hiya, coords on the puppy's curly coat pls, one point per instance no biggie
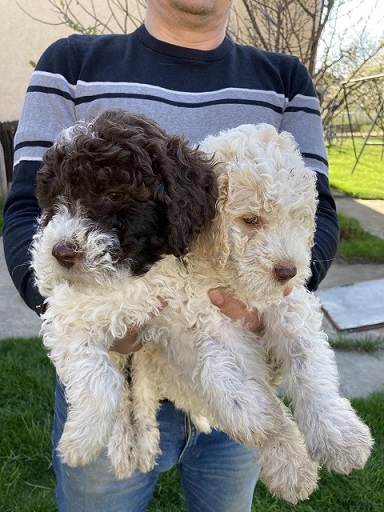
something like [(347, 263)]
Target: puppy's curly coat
[(258, 246), (117, 195), (149, 192)]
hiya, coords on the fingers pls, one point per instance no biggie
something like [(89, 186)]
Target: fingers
[(236, 310), (129, 343), (287, 290), (163, 302)]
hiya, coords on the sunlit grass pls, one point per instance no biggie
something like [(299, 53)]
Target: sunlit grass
[(367, 180), (357, 245)]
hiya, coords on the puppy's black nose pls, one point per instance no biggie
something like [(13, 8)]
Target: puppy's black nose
[(66, 253), (284, 272)]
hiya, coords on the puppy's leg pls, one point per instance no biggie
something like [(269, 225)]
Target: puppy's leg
[(92, 387), (334, 434), (145, 404), (201, 423), (287, 469), (134, 444), (122, 446), (92, 384), (78, 330), (234, 384)]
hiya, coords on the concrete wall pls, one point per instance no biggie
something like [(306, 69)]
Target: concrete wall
[(23, 39)]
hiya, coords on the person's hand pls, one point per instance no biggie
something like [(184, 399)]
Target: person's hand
[(129, 343), (236, 310)]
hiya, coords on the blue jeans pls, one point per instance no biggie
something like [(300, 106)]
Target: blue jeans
[(217, 474)]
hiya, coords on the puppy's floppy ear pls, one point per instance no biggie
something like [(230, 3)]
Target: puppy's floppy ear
[(192, 190), (213, 243), (49, 183)]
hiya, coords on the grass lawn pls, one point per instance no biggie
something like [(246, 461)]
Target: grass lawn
[(368, 344), (367, 180), (26, 402), (26, 478), (356, 245)]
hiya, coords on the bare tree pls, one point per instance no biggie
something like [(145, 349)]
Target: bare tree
[(86, 17), (310, 29), (345, 93), (287, 26)]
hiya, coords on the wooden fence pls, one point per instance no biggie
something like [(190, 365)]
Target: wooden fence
[(7, 134)]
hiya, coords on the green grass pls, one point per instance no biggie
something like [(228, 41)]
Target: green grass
[(368, 343), (367, 180), (26, 478), (357, 245), (26, 402)]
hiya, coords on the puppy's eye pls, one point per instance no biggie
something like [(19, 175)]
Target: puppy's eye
[(254, 219), (115, 196)]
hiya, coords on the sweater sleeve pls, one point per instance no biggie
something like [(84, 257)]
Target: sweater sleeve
[(20, 214), (302, 118), (326, 235), (47, 109)]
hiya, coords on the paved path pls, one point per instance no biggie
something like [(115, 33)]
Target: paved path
[(369, 212), (16, 319), (360, 373)]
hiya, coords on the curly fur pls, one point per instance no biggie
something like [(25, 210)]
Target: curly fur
[(123, 178), (118, 195), (258, 246)]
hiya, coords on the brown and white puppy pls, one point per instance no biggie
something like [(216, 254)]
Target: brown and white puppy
[(121, 201)]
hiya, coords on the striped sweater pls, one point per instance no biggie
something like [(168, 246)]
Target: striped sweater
[(186, 91)]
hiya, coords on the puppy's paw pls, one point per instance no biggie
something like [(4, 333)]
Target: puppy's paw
[(343, 447), (74, 452), (123, 462), (148, 441), (147, 461), (287, 470), (81, 443), (201, 423)]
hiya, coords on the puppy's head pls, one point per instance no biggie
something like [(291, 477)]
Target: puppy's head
[(262, 235), (119, 192)]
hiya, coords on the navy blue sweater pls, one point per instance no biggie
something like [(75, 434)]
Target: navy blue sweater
[(186, 91)]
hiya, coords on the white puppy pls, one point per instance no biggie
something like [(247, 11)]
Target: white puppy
[(259, 248)]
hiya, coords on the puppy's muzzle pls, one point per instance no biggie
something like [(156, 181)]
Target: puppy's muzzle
[(66, 252)]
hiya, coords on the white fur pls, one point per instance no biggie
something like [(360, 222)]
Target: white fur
[(214, 369)]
